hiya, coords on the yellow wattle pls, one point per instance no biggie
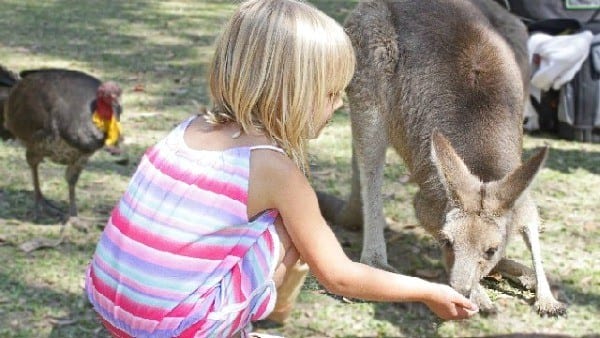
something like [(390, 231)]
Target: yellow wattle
[(111, 127)]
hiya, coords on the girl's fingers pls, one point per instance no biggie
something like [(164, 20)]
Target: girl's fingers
[(471, 313), (465, 303), (466, 311), (463, 313)]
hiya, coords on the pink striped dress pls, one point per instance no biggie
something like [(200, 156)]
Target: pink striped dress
[(179, 256)]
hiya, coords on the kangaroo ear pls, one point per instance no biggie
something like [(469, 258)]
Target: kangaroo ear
[(462, 187), (507, 190)]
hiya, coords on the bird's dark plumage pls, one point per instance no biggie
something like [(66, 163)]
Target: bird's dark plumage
[(7, 80)]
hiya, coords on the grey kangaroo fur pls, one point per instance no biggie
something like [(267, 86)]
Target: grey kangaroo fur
[(444, 84)]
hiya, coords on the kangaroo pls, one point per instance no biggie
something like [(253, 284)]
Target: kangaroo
[(444, 83)]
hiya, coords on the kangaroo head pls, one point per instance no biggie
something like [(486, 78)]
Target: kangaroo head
[(478, 215)]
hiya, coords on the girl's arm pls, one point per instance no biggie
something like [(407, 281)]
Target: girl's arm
[(279, 183)]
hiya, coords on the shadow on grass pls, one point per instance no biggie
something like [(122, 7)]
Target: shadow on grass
[(576, 296), (64, 311), (408, 252), (568, 160), (565, 293), (413, 253), (22, 205), (93, 33), (535, 335), (83, 31)]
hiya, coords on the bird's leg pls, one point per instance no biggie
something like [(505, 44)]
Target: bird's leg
[(40, 202), (72, 176)]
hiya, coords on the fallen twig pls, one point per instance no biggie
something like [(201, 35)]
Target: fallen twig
[(62, 321), (40, 243)]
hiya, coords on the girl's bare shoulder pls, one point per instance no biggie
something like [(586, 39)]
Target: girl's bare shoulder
[(272, 163), (202, 135)]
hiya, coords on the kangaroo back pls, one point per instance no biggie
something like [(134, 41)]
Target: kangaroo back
[(446, 68)]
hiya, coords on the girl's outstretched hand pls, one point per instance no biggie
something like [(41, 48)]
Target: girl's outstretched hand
[(448, 304)]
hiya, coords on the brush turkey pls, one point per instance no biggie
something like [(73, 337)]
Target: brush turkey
[(66, 116)]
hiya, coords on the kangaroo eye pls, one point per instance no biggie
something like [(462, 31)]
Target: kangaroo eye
[(489, 253)]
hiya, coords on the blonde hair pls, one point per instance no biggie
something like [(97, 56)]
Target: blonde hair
[(276, 65)]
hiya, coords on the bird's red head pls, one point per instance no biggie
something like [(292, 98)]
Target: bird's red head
[(108, 97), (109, 91)]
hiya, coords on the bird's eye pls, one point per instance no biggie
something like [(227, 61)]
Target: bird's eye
[(489, 253)]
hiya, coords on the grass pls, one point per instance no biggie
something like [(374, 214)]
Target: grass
[(158, 52)]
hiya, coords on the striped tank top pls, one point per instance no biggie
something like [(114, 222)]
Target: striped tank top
[(178, 253)]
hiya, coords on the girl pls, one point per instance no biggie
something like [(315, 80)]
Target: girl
[(218, 213)]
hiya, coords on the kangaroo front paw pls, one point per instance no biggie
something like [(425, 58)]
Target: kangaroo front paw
[(484, 303), (486, 308), (550, 307)]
